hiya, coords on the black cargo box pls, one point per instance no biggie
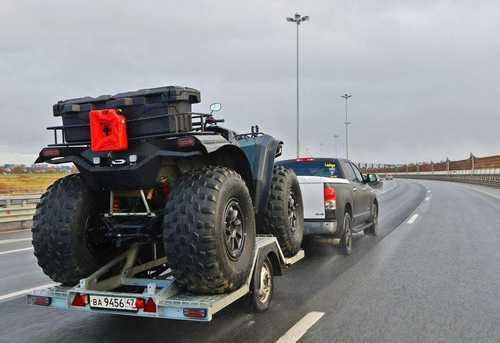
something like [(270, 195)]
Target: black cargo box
[(153, 111)]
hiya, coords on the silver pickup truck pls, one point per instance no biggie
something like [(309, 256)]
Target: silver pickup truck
[(338, 200)]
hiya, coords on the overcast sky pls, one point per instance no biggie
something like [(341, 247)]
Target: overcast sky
[(424, 75)]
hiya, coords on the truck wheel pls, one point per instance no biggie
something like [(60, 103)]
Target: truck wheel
[(262, 285), (284, 215), (372, 230), (209, 231), (66, 237), (346, 238)]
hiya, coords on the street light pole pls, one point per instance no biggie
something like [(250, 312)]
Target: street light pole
[(347, 123), (335, 136), (297, 19)]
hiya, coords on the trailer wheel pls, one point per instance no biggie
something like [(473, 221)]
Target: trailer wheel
[(284, 215), (67, 241), (262, 286), (209, 231)]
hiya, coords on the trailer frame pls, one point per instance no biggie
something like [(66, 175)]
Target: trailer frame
[(169, 301)]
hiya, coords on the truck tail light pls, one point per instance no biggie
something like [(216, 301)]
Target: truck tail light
[(80, 300), (304, 159), (330, 197), (108, 131)]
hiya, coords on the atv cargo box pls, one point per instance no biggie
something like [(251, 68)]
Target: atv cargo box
[(148, 111)]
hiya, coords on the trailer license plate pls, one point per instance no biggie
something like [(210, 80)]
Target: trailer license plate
[(113, 303)]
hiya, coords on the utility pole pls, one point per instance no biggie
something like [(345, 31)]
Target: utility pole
[(335, 137), (297, 19), (346, 96)]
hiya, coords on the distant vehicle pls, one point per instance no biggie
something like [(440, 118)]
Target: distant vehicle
[(389, 177), (337, 198), (374, 180)]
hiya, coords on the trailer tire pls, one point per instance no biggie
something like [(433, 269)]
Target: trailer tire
[(284, 215), (61, 241), (262, 286), (209, 230)]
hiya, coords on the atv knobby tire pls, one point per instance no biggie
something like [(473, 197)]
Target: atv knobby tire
[(206, 209), (284, 215), (61, 240)]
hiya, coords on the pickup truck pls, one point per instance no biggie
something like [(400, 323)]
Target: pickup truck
[(338, 200)]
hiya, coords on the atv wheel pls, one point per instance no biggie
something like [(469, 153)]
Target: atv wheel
[(66, 237), (284, 215), (209, 231)]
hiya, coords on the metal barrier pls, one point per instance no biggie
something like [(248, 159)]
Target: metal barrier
[(481, 179), (18, 208)]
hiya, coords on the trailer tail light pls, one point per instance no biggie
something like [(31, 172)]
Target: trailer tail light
[(139, 303), (80, 300), (37, 300), (108, 131), (330, 197), (150, 306), (194, 312)]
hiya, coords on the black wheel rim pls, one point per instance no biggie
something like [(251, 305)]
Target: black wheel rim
[(234, 230), (375, 215), (292, 212)]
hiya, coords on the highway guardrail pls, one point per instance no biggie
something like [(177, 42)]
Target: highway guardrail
[(17, 210)]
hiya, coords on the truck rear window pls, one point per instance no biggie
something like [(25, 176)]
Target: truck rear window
[(323, 168)]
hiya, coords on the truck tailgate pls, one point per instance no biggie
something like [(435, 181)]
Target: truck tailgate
[(312, 197)]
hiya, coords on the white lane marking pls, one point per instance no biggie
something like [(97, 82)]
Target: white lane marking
[(412, 219), (24, 291), (300, 328), (15, 240), (427, 198), (15, 250)]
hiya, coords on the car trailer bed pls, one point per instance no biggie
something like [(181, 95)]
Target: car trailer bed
[(149, 290)]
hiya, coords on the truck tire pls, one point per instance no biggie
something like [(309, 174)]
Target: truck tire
[(209, 231), (63, 244), (284, 214), (372, 229), (346, 238)]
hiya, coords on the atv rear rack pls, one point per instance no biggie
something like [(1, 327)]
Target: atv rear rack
[(152, 283), (199, 122)]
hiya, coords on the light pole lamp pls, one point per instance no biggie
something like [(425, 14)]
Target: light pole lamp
[(297, 19), (346, 96)]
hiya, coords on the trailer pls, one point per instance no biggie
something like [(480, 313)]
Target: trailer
[(128, 286)]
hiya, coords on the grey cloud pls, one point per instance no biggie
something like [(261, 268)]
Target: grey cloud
[(423, 74)]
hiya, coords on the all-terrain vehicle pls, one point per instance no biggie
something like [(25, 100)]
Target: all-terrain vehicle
[(153, 172)]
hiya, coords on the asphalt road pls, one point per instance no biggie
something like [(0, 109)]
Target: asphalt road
[(436, 279)]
